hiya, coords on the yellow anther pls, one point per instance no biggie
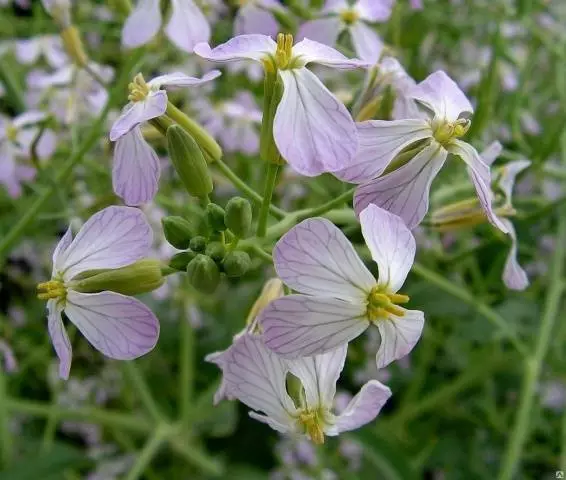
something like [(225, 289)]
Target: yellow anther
[(138, 88), (349, 16), (446, 131), (11, 133), (284, 52), (381, 304), (313, 425), (399, 298), (51, 289)]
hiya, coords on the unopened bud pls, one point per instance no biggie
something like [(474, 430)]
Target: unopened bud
[(216, 251), (180, 260), (178, 231), (74, 45), (272, 290), (140, 277), (203, 274), (198, 244), (215, 216), (238, 217), (189, 162), (236, 264), (458, 215)]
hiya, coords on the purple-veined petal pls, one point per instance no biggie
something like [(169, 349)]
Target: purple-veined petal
[(374, 10), (391, 244), (251, 47), (119, 326), (316, 258), (312, 129), (301, 325), (135, 172), (441, 94), (481, 178), (142, 24), (28, 50), (318, 375), (310, 51), (514, 276), (256, 376), (490, 154), (28, 118), (252, 19), (321, 30), (380, 142), (187, 25), (398, 336), (364, 407), (509, 174), (59, 338), (60, 249), (111, 238), (405, 191), (277, 426), (221, 393), (135, 113), (367, 43), (179, 79)]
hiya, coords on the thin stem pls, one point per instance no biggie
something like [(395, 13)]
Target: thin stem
[(262, 253), (326, 207), (14, 93), (245, 189), (5, 434), (186, 361), (269, 188), (137, 380), (196, 456), (149, 451)]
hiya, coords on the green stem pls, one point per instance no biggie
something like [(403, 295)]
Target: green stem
[(270, 182), (195, 456), (260, 252), (326, 207), (140, 385), (5, 435), (14, 93), (245, 189), (150, 449), (186, 360), (12, 237)]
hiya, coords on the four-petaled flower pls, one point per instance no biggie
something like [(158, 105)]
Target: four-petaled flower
[(117, 325), (257, 377), (313, 130), (339, 298)]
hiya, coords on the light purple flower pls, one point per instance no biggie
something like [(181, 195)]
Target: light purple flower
[(256, 376), (186, 27), (256, 16), (417, 4), (29, 50), (119, 326), (339, 15), (313, 131), (60, 10), (405, 191), (338, 296), (9, 364)]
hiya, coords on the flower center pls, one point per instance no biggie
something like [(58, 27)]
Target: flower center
[(11, 133), (138, 88), (381, 304), (444, 131), (313, 422), (52, 289), (284, 52), (349, 16)]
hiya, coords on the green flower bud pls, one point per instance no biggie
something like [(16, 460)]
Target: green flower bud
[(236, 264), (181, 260), (203, 274), (198, 244), (189, 162), (140, 277), (216, 251), (178, 231), (238, 217), (215, 217)]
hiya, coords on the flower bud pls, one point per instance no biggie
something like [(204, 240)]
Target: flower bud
[(215, 216), (198, 244), (236, 264), (458, 215), (178, 231), (180, 260), (140, 277), (216, 251), (203, 274), (74, 45), (60, 11), (189, 162), (272, 290), (238, 217)]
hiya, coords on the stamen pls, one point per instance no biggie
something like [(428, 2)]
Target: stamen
[(313, 427), (138, 88), (349, 16), (284, 52), (381, 304), (51, 289)]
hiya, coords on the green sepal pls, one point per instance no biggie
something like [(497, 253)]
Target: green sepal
[(215, 217), (236, 264), (238, 217), (180, 260), (203, 274), (198, 244), (178, 231)]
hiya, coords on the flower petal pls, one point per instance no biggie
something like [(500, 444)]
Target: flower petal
[(28, 50), (252, 47), (142, 24), (310, 51), (398, 336), (300, 325), (59, 338), (364, 407), (312, 129), (391, 244), (120, 327), (179, 79), (374, 10), (509, 175), (335, 6), (367, 43), (321, 30), (319, 374), (441, 94), (252, 19), (405, 191), (28, 118), (256, 376), (135, 173), (111, 238), (380, 142), (490, 154), (480, 176), (133, 114), (316, 258), (187, 25), (60, 249), (514, 276)]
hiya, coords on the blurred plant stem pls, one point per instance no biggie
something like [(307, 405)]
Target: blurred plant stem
[(269, 188), (14, 93), (533, 363), (12, 237), (150, 449), (5, 434), (186, 364), (137, 380)]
